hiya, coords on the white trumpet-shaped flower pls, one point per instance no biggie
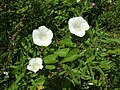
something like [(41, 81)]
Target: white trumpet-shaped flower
[(35, 64), (78, 26), (78, 0), (42, 36)]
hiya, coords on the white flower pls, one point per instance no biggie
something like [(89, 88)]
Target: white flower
[(78, 0), (6, 73), (78, 26), (90, 84), (35, 64), (97, 49), (42, 36)]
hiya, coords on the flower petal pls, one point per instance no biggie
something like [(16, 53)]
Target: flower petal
[(32, 61), (43, 28), (49, 34), (35, 64), (80, 33), (41, 67), (85, 26), (42, 36), (78, 0), (29, 67), (38, 60), (46, 43), (78, 26)]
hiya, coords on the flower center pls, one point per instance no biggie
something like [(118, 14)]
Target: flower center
[(36, 66), (76, 26), (43, 38)]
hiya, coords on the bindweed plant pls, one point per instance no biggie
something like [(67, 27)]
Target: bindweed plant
[(59, 45)]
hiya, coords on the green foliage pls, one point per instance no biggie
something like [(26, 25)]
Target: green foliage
[(70, 62), (62, 52), (71, 56), (50, 59)]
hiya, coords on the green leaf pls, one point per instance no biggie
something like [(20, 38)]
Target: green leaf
[(71, 56), (14, 67), (100, 70), (86, 77), (117, 40), (51, 67), (1, 81), (66, 67), (90, 59), (62, 52), (19, 11), (61, 73), (73, 51), (50, 59), (115, 51), (40, 81), (66, 42), (14, 86), (76, 71), (18, 78), (91, 72), (105, 65)]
